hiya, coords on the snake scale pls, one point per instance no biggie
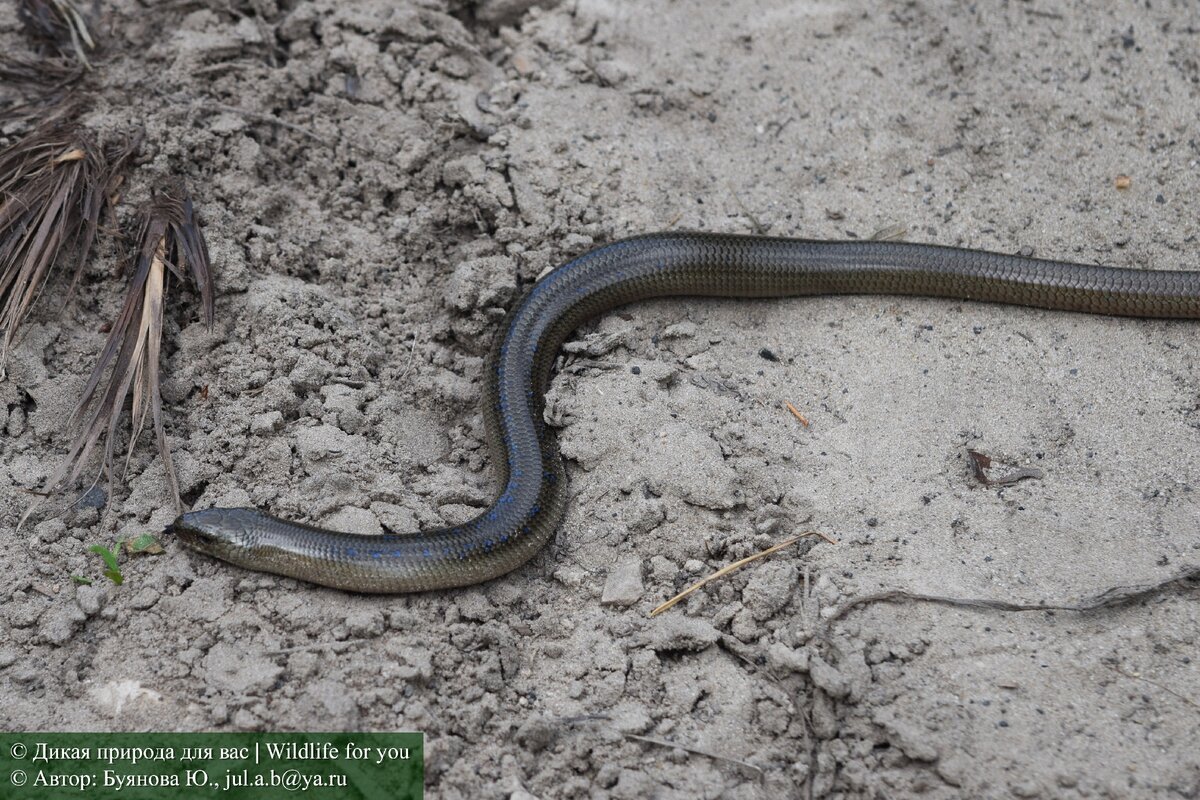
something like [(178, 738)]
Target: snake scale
[(524, 456)]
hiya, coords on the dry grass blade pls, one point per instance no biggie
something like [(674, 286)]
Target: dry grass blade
[(58, 24), (689, 749), (169, 241), (54, 185), (728, 568)]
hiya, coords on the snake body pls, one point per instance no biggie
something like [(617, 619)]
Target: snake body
[(524, 455)]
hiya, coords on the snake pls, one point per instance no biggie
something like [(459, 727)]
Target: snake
[(529, 472)]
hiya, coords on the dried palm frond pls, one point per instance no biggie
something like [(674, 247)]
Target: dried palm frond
[(59, 25), (36, 88), (169, 241), (55, 183)]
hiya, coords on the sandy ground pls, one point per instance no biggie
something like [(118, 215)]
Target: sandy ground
[(437, 157)]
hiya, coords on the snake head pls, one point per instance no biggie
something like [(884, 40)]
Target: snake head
[(220, 532)]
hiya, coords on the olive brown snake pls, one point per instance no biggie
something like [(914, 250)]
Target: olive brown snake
[(524, 454)]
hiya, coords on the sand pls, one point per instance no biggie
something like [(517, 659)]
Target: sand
[(398, 171)]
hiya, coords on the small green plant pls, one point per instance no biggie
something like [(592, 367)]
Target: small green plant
[(113, 573)]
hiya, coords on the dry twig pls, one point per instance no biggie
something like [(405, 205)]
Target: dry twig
[(796, 413), (698, 751), (1112, 596), (723, 571)]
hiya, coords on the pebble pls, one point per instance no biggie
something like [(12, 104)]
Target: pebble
[(537, 733), (912, 740), (22, 615), (481, 282), (365, 624), (233, 668), (245, 720), (60, 624), (770, 589), (324, 441), (336, 700), (629, 718), (506, 11), (8, 657), (828, 678), (94, 498), (679, 633), (353, 520), (91, 599), (26, 672), (624, 584), (782, 658), (269, 422), (51, 530), (1025, 788), (309, 373), (144, 599)]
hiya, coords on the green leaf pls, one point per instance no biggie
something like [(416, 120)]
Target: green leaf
[(146, 543), (113, 573)]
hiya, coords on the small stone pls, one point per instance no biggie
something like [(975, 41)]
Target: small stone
[(537, 733), (394, 518), (144, 599), (624, 584), (911, 739), (325, 441), (680, 633), (770, 589), (681, 330), (364, 624), (90, 599), (523, 63), (269, 422), (94, 498), (782, 658), (27, 672), (238, 671), (60, 624), (630, 718), (309, 372), (481, 283), (828, 678), (22, 615), (334, 703), (244, 720), (954, 768), (1025, 788), (505, 11), (353, 520), (51, 530), (8, 657)]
